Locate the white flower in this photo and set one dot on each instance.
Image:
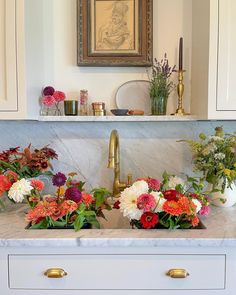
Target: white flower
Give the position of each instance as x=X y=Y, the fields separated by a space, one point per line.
x=197 y=204
x=210 y=148
x=128 y=203
x=174 y=181
x=219 y=156
x=20 y=189
x=160 y=200
x=141 y=186
x=216 y=138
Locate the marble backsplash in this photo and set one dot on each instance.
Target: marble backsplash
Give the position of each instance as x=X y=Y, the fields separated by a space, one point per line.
x=147 y=149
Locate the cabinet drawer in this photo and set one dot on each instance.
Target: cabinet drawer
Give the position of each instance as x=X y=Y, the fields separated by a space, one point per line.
x=117 y=272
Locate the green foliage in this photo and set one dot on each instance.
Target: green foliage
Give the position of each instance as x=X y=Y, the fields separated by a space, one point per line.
x=215 y=157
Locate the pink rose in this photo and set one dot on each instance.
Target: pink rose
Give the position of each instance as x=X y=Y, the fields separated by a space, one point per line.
x=59 y=96
x=48 y=100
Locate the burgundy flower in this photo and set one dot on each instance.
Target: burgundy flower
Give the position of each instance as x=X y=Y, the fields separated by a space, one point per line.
x=48 y=90
x=73 y=194
x=171 y=195
x=50 y=153
x=116 y=205
x=59 y=179
x=149 y=220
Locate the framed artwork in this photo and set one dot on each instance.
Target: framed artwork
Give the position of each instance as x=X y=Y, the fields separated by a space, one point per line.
x=115 y=32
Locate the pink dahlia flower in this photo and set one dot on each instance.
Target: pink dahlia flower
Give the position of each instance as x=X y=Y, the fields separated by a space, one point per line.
x=205 y=210
x=146 y=202
x=154 y=184
x=48 y=101
x=59 y=96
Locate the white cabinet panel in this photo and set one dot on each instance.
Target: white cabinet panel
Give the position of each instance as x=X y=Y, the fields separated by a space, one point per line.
x=226 y=82
x=12 y=88
x=117 y=272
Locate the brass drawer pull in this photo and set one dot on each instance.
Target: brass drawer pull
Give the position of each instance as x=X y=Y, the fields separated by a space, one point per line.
x=177 y=273
x=55 y=273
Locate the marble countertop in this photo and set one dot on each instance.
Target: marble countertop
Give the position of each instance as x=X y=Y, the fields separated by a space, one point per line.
x=220 y=231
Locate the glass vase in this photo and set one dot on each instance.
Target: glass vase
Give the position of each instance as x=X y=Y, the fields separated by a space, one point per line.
x=55 y=110
x=158 y=105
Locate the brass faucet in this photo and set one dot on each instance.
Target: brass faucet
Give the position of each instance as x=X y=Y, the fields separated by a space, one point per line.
x=114 y=163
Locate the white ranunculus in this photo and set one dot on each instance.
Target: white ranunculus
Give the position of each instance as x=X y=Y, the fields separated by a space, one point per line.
x=174 y=181
x=20 y=189
x=197 y=204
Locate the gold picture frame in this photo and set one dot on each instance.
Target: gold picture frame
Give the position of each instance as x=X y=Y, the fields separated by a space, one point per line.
x=115 y=32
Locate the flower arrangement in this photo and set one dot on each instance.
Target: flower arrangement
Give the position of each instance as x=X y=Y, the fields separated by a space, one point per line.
x=70 y=206
x=172 y=203
x=27 y=162
x=160 y=84
x=215 y=157
x=52 y=98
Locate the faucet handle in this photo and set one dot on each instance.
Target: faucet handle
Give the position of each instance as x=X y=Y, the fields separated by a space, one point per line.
x=129 y=180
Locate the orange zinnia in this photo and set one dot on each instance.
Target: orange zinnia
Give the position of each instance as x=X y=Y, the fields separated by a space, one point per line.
x=173 y=208
x=195 y=221
x=188 y=207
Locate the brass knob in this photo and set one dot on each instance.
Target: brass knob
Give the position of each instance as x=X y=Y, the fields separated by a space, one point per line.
x=55 y=273
x=177 y=273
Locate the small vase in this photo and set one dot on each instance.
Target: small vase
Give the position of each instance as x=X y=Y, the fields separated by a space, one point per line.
x=55 y=110
x=226 y=199
x=158 y=105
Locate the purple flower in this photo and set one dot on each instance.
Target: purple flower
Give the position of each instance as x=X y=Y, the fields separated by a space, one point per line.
x=49 y=90
x=59 y=179
x=73 y=194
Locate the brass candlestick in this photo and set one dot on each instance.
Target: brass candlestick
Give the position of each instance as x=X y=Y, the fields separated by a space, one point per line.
x=180 y=90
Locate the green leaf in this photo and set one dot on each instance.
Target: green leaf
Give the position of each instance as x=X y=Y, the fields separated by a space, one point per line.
x=58 y=223
x=93 y=220
x=41 y=225
x=185 y=225
x=89 y=213
x=79 y=222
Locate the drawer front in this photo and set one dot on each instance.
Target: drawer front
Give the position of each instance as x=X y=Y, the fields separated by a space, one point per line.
x=117 y=272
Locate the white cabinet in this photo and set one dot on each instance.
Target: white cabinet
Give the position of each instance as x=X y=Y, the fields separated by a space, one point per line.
x=117 y=271
x=12 y=62
x=214 y=59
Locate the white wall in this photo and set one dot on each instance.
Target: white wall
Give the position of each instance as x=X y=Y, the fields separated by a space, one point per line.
x=51 y=27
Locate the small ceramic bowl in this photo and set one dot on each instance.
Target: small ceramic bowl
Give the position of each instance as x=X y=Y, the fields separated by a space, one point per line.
x=120 y=112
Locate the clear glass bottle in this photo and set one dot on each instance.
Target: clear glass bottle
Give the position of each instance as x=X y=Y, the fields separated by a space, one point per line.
x=83 y=102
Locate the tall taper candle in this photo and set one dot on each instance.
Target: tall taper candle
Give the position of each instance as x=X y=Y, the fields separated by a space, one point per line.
x=181 y=54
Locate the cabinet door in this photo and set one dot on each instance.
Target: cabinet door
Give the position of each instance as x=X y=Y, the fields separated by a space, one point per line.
x=226 y=80
x=12 y=89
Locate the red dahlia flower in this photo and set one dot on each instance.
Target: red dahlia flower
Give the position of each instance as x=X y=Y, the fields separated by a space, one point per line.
x=149 y=220
x=171 y=195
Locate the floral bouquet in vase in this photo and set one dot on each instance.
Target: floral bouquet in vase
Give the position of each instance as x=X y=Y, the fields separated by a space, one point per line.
x=215 y=157
x=172 y=203
x=52 y=102
x=160 y=85
x=17 y=164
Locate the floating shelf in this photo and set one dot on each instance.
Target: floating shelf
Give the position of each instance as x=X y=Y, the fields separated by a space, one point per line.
x=116 y=118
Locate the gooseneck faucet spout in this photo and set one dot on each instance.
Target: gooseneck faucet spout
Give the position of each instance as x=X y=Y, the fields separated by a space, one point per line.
x=114 y=163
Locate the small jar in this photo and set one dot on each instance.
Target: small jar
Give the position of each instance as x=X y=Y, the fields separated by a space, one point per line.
x=83 y=102
x=71 y=107
x=98 y=109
